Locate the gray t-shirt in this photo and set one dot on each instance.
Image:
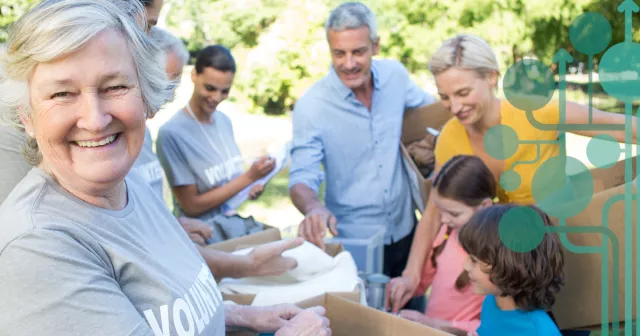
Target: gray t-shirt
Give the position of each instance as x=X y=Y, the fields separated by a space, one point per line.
x=70 y=268
x=148 y=166
x=13 y=166
x=202 y=154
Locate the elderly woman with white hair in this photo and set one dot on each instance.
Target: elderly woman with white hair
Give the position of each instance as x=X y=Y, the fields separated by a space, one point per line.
x=79 y=252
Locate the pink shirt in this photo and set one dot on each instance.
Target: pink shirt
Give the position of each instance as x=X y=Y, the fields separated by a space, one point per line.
x=445 y=302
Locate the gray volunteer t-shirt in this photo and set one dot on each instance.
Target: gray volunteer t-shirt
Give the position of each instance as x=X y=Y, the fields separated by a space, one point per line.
x=13 y=165
x=148 y=166
x=70 y=268
x=202 y=154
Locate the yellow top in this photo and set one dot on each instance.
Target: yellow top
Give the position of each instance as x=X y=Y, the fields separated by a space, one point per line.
x=453 y=140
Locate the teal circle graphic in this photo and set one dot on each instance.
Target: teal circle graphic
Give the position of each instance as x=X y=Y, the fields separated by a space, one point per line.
x=501 y=142
x=562 y=186
x=619 y=71
x=510 y=180
x=528 y=84
x=590 y=33
x=603 y=151
x=521 y=229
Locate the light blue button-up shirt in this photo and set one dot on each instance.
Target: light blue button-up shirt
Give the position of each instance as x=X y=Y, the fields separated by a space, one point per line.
x=359 y=149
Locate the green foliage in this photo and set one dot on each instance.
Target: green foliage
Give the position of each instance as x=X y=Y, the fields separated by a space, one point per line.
x=286 y=47
x=286 y=60
x=231 y=23
x=10 y=11
x=281 y=50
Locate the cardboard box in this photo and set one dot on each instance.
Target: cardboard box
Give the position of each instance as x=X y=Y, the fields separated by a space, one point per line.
x=271 y=234
x=414 y=128
x=579 y=304
x=350 y=318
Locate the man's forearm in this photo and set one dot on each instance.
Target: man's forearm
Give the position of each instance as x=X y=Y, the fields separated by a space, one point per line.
x=225 y=265
x=304 y=198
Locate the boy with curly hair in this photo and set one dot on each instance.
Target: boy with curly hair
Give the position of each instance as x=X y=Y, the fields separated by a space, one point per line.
x=519 y=286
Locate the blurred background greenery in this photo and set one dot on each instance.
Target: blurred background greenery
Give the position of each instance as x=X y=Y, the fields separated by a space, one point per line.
x=281 y=49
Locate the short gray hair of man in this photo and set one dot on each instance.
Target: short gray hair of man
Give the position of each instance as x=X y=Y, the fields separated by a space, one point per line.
x=352 y=15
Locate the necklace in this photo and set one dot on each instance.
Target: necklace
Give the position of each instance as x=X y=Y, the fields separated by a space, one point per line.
x=206 y=135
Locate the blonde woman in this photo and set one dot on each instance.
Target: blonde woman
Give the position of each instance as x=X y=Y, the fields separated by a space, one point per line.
x=466 y=74
x=85 y=247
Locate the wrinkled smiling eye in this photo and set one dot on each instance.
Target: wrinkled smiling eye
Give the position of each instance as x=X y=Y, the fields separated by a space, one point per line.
x=60 y=95
x=116 y=88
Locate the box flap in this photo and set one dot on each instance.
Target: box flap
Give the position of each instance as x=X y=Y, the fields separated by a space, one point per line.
x=241 y=299
x=333 y=249
x=414 y=126
x=419 y=192
x=579 y=303
x=613 y=176
x=319 y=300
x=351 y=318
x=416 y=121
x=268 y=235
x=599 y=327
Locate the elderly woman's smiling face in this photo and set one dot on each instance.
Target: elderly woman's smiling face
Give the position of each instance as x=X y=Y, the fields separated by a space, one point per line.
x=88 y=114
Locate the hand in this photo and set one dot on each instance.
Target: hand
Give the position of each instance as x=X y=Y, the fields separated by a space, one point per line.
x=271 y=318
x=314 y=226
x=261 y=168
x=399 y=291
x=256 y=191
x=197 y=230
x=267 y=259
x=416 y=316
x=310 y=322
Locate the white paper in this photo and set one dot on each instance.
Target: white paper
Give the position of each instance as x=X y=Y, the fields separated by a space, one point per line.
x=312 y=261
x=282 y=157
x=343 y=277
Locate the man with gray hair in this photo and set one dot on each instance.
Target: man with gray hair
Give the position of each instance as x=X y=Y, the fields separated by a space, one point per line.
x=176 y=54
x=350 y=121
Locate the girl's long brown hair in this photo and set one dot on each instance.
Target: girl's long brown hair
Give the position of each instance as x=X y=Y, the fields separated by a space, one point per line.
x=465 y=179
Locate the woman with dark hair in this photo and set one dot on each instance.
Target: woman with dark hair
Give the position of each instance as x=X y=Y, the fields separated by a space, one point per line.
x=197 y=148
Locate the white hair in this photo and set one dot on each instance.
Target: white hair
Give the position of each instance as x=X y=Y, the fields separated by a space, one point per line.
x=465 y=51
x=56 y=28
x=352 y=15
x=167 y=42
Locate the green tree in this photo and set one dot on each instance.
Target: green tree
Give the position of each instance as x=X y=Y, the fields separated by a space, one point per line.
x=10 y=11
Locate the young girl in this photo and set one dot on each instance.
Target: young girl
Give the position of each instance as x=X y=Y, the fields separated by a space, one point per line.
x=463 y=185
x=519 y=285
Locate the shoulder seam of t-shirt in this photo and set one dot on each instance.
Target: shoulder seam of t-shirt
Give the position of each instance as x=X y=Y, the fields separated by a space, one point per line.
x=33 y=213
x=171 y=137
x=91 y=241
x=71 y=236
